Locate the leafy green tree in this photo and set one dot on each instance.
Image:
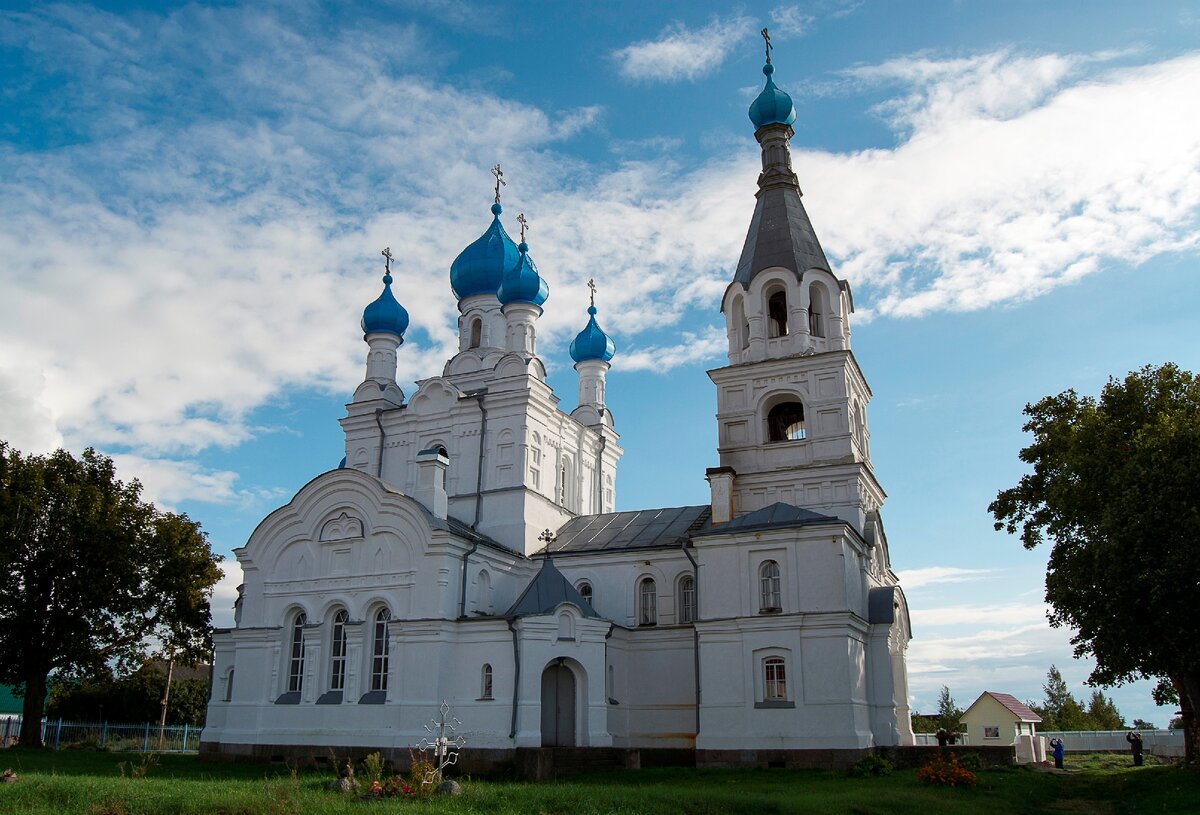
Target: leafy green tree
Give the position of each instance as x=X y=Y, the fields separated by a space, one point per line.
x=1102 y=713
x=1060 y=710
x=1142 y=724
x=132 y=698
x=1114 y=488
x=90 y=574
x=949 y=714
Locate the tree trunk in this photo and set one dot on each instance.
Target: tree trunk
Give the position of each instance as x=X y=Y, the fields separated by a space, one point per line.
x=1187 y=685
x=33 y=709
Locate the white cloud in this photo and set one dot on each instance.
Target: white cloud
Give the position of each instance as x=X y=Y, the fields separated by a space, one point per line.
x=791 y=21
x=932 y=575
x=166 y=275
x=680 y=53
x=225 y=593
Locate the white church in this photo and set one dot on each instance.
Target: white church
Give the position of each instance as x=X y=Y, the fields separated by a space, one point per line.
x=469 y=550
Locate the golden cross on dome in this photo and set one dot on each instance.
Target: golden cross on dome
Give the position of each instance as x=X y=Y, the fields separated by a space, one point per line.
x=592 y=286
x=500 y=182
x=524 y=225
x=387 y=263
x=767 y=41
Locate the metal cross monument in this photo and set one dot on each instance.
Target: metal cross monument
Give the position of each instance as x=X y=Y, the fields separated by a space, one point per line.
x=387 y=263
x=592 y=286
x=500 y=182
x=767 y=41
x=445 y=744
x=524 y=225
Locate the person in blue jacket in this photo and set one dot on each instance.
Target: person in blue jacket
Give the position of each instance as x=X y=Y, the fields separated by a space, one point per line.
x=1057 y=746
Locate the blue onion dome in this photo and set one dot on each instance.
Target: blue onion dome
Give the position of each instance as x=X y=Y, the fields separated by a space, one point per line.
x=772 y=106
x=385 y=315
x=480 y=268
x=522 y=283
x=592 y=343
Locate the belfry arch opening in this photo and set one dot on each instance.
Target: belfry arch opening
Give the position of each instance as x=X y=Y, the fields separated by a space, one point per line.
x=777 y=313
x=785 y=422
x=476 y=333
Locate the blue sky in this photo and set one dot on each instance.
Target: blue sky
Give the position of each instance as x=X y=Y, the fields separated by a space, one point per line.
x=193 y=198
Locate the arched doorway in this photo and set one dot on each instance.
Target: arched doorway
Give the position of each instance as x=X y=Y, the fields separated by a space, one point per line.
x=558 y=706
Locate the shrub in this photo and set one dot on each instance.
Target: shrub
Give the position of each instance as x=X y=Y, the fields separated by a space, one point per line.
x=945 y=770
x=871 y=766
x=373 y=769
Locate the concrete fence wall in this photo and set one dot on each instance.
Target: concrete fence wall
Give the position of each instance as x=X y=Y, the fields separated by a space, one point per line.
x=1165 y=743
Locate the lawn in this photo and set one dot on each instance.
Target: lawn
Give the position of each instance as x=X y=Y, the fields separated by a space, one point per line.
x=92 y=783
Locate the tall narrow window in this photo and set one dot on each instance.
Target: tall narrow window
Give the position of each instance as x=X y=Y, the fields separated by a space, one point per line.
x=379 y=650
x=785 y=422
x=816 y=310
x=485 y=682
x=296 y=658
x=768 y=580
x=585 y=591
x=337 y=651
x=687 y=599
x=774 y=680
x=777 y=316
x=476 y=333
x=647 y=602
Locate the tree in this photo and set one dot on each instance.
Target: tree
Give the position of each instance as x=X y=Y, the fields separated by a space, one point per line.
x=131 y=698
x=1114 y=488
x=1060 y=711
x=1142 y=724
x=1102 y=713
x=90 y=575
x=949 y=714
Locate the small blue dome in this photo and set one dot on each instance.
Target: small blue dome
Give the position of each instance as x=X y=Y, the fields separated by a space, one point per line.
x=480 y=268
x=385 y=315
x=772 y=106
x=592 y=343
x=522 y=283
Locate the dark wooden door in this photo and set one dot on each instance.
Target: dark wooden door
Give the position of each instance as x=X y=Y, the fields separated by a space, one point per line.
x=558 y=707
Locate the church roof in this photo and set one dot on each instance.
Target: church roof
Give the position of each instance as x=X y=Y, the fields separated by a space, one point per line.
x=775 y=516
x=641 y=529
x=780 y=235
x=546 y=591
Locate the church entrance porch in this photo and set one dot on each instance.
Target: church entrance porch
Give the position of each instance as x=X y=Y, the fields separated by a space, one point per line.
x=558 y=705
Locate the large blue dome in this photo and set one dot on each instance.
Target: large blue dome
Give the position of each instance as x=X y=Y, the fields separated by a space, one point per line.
x=592 y=343
x=480 y=268
x=385 y=315
x=522 y=283
x=772 y=106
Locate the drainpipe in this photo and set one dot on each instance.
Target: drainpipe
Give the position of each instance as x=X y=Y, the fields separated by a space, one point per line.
x=482 y=451
x=695 y=631
x=462 y=598
x=512 y=733
x=379 y=463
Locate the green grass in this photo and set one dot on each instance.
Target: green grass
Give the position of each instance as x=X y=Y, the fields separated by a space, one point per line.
x=87 y=783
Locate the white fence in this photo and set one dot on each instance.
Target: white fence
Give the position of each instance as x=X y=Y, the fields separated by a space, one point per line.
x=1165 y=743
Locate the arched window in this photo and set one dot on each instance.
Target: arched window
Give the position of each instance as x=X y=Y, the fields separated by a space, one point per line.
x=229 y=685
x=485 y=682
x=816 y=310
x=687 y=599
x=647 y=602
x=768 y=582
x=296 y=656
x=585 y=590
x=785 y=422
x=774 y=680
x=483 y=593
x=337 y=651
x=379 y=650
x=777 y=314
x=476 y=333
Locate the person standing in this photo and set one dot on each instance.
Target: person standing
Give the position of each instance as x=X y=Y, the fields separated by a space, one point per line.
x=1135 y=746
x=1059 y=750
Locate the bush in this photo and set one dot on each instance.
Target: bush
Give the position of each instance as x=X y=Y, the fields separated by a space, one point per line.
x=946 y=771
x=970 y=761
x=871 y=766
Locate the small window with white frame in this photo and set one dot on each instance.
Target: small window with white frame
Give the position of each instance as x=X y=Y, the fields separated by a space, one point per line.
x=687 y=599
x=647 y=602
x=991 y=732
x=585 y=590
x=770 y=601
x=485 y=682
x=775 y=680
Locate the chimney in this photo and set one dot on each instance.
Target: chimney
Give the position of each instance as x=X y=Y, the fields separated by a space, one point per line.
x=431 y=480
x=720 y=480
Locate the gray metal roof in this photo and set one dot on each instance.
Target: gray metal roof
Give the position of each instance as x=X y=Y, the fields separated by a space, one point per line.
x=775 y=516
x=546 y=591
x=643 y=529
x=780 y=234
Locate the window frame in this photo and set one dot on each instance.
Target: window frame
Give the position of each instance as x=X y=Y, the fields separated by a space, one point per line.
x=647 y=601
x=337 y=650
x=770 y=587
x=295 y=675
x=687 y=611
x=380 y=649
x=486 y=680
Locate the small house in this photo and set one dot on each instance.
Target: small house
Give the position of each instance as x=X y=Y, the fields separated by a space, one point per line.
x=1000 y=718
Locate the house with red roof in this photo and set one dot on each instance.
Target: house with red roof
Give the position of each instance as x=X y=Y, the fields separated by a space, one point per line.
x=1001 y=718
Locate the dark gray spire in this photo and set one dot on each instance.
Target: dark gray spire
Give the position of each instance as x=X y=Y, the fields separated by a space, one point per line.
x=780 y=232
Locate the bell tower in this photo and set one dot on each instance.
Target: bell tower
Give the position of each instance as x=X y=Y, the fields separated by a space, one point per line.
x=791 y=404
